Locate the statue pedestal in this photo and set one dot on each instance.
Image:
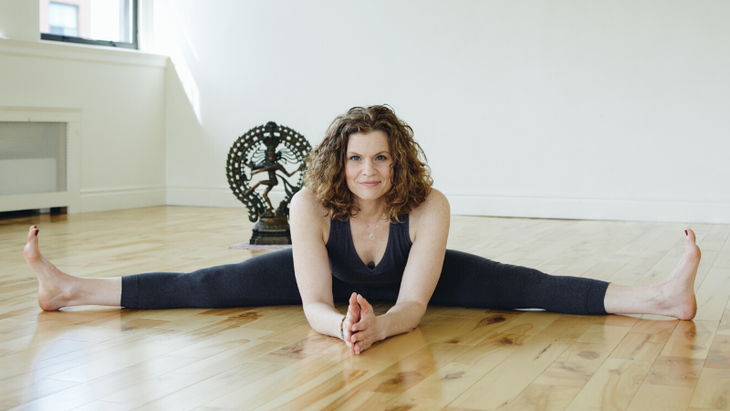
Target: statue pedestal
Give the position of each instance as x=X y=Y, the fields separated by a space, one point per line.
x=271 y=231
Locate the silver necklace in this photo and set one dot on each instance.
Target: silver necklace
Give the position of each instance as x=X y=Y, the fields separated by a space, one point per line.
x=372 y=233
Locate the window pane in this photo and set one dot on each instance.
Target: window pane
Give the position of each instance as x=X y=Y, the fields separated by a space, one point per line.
x=63 y=19
x=110 y=20
x=101 y=20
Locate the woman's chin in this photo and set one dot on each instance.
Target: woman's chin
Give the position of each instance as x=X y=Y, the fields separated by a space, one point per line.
x=369 y=194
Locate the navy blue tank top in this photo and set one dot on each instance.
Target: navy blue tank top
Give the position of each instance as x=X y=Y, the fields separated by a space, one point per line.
x=347 y=266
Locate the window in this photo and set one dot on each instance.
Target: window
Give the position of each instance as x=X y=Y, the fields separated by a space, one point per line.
x=100 y=22
x=63 y=19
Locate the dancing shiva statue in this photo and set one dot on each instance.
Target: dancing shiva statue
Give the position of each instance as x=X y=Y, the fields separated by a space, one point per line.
x=253 y=162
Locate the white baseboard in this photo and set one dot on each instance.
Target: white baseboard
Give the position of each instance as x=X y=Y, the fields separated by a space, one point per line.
x=202 y=197
x=121 y=198
x=591 y=209
x=525 y=207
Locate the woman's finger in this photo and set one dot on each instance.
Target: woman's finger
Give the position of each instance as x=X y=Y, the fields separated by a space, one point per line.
x=361 y=325
x=362 y=336
x=364 y=305
x=361 y=347
x=353 y=306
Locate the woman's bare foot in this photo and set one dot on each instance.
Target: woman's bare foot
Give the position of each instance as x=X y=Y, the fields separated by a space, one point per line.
x=54 y=286
x=678 y=290
x=674 y=297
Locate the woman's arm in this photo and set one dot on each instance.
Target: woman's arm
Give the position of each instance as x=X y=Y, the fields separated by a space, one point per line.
x=309 y=223
x=430 y=229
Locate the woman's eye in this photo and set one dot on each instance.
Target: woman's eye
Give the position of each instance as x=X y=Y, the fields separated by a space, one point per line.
x=355 y=158
x=381 y=158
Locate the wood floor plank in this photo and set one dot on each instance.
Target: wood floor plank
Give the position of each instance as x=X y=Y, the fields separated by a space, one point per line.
x=447 y=383
x=661 y=398
x=645 y=340
x=719 y=355
x=724 y=327
x=612 y=387
x=413 y=369
x=713 y=390
x=691 y=339
x=81 y=394
x=514 y=374
x=299 y=377
x=561 y=382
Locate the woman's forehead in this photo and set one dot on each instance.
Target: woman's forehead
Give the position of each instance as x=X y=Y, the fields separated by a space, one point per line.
x=374 y=141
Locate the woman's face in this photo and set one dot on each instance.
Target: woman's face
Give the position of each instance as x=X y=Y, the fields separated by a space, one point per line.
x=368 y=165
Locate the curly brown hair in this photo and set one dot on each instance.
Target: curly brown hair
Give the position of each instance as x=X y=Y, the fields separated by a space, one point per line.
x=410 y=178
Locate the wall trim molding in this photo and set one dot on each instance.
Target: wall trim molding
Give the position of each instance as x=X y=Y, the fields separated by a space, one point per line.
x=591 y=209
x=521 y=207
x=204 y=197
x=118 y=198
x=79 y=52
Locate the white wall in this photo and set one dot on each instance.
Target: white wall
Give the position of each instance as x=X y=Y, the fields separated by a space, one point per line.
x=119 y=94
x=569 y=109
x=19 y=20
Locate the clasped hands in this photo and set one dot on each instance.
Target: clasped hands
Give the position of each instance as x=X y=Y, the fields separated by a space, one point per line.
x=360 y=325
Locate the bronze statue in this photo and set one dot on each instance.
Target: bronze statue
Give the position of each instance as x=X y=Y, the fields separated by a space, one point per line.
x=254 y=153
x=271 y=166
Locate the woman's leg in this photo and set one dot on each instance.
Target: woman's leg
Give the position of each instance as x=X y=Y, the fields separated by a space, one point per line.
x=267 y=279
x=673 y=297
x=471 y=281
x=264 y=280
x=57 y=289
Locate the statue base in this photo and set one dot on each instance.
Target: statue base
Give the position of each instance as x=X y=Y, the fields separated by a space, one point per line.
x=271 y=231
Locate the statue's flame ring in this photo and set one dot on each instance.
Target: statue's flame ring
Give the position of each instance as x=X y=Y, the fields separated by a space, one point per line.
x=239 y=175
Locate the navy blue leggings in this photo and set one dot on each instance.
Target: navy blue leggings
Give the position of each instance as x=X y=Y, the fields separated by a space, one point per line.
x=466 y=281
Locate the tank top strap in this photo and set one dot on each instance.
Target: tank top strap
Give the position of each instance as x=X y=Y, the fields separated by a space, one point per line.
x=338 y=238
x=400 y=236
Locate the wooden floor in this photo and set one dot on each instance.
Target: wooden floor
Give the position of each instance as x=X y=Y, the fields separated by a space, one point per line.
x=93 y=358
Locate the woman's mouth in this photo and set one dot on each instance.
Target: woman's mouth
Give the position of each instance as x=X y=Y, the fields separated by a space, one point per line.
x=369 y=184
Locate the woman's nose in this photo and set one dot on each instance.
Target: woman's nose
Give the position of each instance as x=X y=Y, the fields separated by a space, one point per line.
x=369 y=167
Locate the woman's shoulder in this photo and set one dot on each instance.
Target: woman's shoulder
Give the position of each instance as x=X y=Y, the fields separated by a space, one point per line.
x=433 y=214
x=304 y=196
x=435 y=203
x=307 y=212
x=306 y=202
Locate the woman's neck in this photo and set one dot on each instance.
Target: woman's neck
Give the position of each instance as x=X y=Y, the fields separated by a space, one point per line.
x=371 y=210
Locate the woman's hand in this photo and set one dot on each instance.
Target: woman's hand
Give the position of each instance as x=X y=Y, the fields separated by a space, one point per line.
x=364 y=332
x=352 y=317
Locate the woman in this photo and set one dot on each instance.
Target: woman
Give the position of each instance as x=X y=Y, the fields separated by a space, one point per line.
x=368 y=226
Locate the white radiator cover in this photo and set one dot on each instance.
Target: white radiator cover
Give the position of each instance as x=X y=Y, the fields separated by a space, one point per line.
x=39 y=158
x=29 y=176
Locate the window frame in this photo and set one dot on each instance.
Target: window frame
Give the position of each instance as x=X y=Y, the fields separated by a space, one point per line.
x=106 y=43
